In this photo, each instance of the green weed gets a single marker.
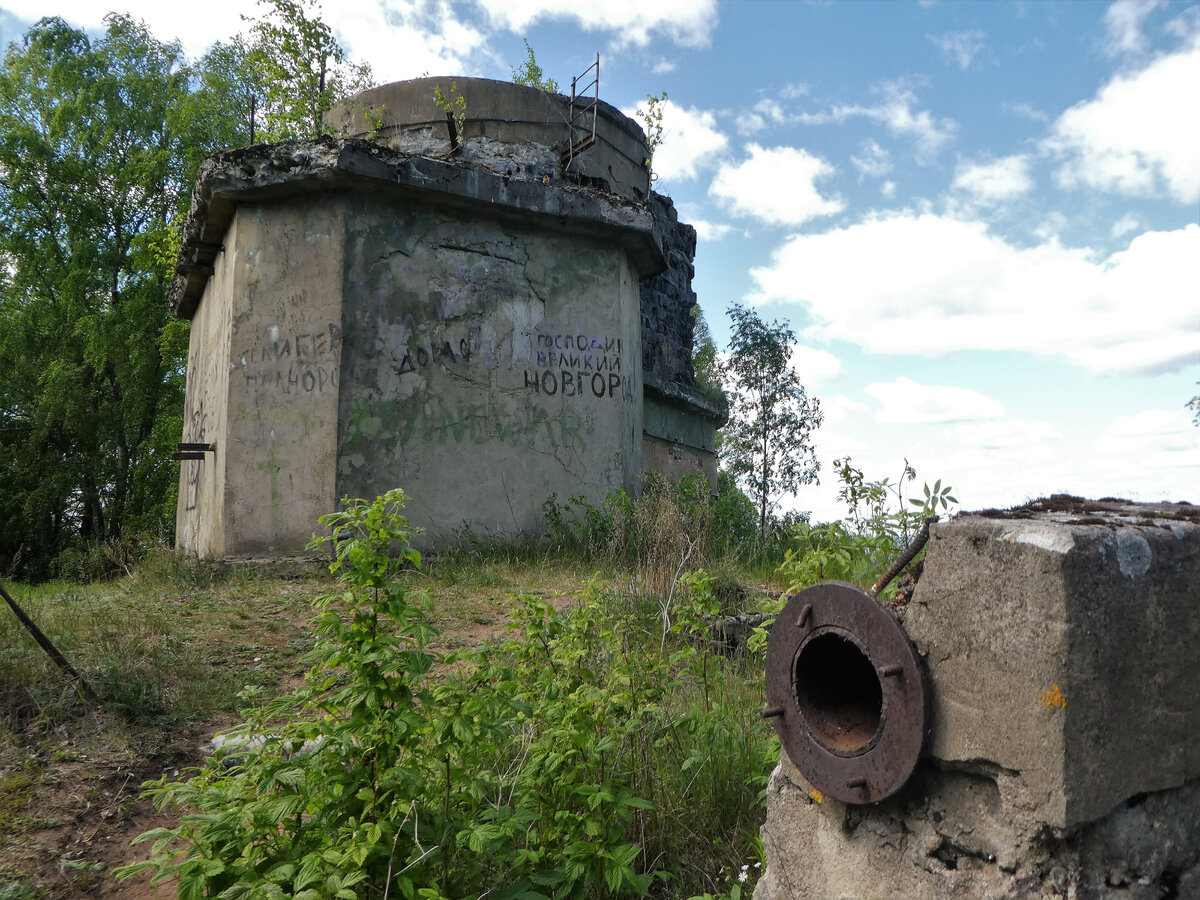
(603, 750)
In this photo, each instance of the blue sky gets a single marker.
(982, 219)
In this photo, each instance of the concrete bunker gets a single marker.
(482, 325)
(1057, 646)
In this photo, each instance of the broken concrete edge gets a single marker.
(940, 837)
(1072, 510)
(268, 171)
(694, 401)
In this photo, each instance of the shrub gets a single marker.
(568, 761)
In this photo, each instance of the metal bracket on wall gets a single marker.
(193, 450)
(580, 106)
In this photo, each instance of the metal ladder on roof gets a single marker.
(580, 133)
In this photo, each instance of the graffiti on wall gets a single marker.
(447, 347)
(293, 362)
(466, 422)
(578, 365)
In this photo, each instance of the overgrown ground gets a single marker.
(169, 647)
(609, 744)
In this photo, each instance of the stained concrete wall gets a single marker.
(1060, 641)
(263, 371)
(200, 510)
(284, 369)
(365, 319)
(469, 323)
(488, 364)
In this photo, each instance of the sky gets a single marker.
(981, 219)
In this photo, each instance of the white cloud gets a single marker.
(408, 38)
(814, 366)
(755, 120)
(1156, 437)
(904, 401)
(776, 185)
(951, 285)
(1140, 134)
(995, 181)
(687, 22)
(691, 141)
(896, 113)
(400, 38)
(873, 161)
(1028, 111)
(663, 66)
(1127, 223)
(839, 409)
(770, 109)
(1051, 226)
(888, 188)
(405, 38)
(1002, 434)
(750, 123)
(709, 231)
(960, 47)
(195, 26)
(792, 91)
(706, 230)
(1123, 21)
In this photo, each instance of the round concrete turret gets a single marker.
(518, 131)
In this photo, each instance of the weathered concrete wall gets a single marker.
(488, 365)
(284, 363)
(518, 131)
(667, 301)
(680, 421)
(1060, 642)
(369, 319)
(200, 510)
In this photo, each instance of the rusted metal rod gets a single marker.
(80, 682)
(904, 559)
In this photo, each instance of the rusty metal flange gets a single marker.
(846, 693)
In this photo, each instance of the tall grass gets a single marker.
(145, 642)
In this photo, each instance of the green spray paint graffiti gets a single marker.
(466, 422)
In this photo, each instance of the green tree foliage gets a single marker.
(96, 157)
(99, 143)
(881, 520)
(531, 74)
(706, 362)
(651, 117)
(228, 88)
(300, 68)
(766, 444)
(1194, 406)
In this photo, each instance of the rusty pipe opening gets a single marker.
(845, 693)
(838, 692)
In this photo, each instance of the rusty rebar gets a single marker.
(904, 558)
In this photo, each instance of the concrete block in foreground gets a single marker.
(1062, 644)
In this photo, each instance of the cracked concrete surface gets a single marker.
(1060, 641)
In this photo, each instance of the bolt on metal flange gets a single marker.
(846, 693)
